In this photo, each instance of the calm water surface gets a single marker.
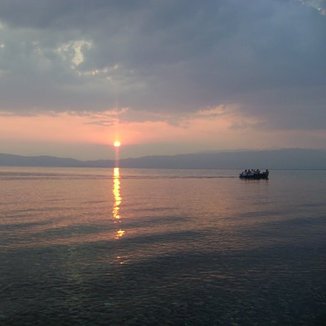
(161, 247)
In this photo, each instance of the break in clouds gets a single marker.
(264, 57)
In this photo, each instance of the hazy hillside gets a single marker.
(18, 160)
(273, 159)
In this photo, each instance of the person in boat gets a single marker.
(254, 174)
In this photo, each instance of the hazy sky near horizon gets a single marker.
(163, 76)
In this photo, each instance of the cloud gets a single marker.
(266, 58)
(319, 5)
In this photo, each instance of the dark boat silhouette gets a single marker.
(254, 174)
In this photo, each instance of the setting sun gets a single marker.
(117, 143)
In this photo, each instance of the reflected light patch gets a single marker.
(117, 202)
(116, 194)
(119, 234)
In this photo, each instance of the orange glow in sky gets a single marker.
(209, 129)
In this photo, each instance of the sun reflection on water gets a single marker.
(117, 202)
(116, 194)
(119, 234)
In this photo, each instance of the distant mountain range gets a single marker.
(272, 159)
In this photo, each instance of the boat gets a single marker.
(254, 174)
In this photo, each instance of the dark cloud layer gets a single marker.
(265, 56)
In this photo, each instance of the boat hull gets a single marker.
(255, 176)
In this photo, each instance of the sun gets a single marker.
(117, 143)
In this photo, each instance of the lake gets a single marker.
(161, 247)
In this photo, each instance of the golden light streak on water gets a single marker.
(117, 200)
(116, 194)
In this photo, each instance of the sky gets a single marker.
(161, 76)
